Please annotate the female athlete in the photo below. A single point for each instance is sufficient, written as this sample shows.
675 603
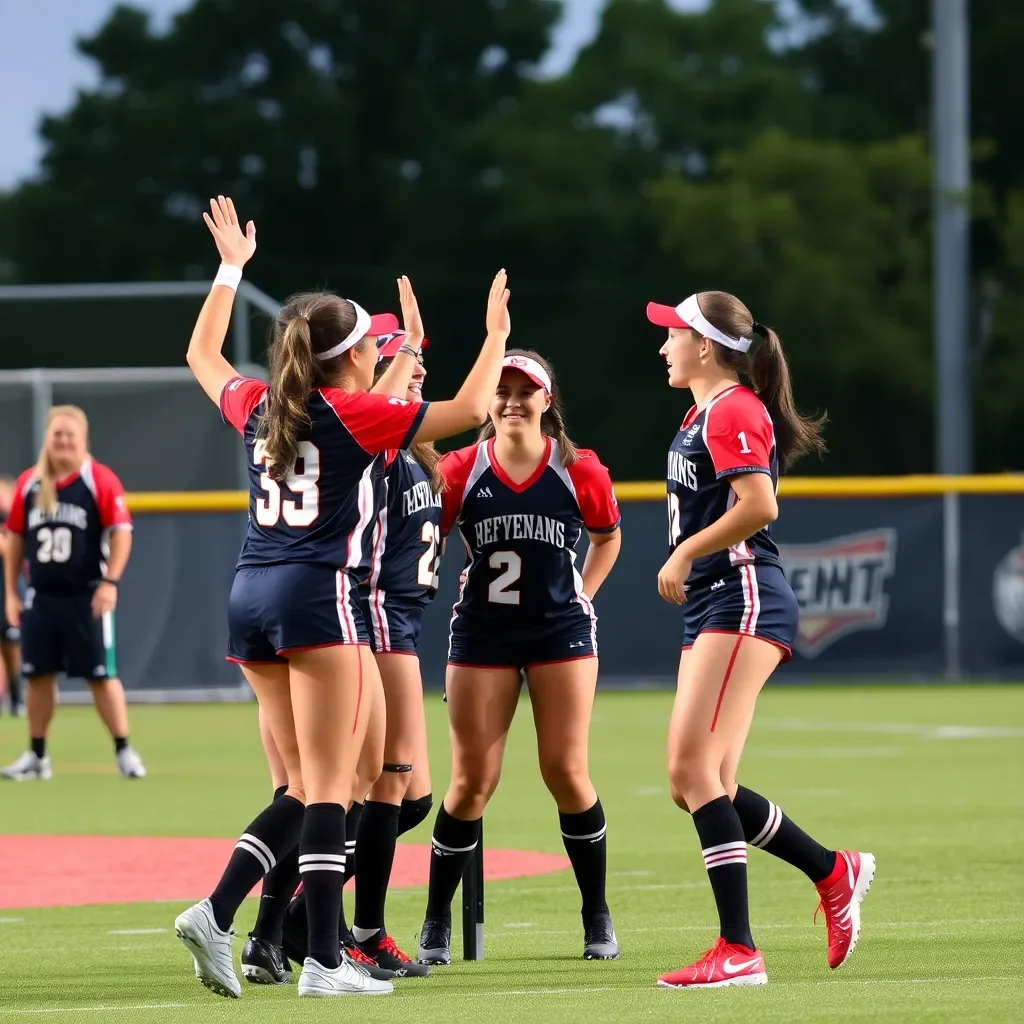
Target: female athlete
69 523
740 618
521 496
295 622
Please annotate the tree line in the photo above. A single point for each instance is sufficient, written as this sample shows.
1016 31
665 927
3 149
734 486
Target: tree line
779 151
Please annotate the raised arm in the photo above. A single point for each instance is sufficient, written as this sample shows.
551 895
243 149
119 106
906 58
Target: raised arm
205 356
395 379
469 407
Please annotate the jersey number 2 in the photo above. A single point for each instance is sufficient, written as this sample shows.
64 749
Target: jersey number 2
430 560
303 485
498 592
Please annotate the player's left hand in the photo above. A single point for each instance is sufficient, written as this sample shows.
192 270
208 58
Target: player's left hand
673 576
411 319
104 599
235 246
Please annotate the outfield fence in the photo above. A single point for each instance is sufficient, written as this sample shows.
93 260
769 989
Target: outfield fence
897 577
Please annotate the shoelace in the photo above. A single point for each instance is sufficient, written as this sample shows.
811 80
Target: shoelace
389 946
707 961
356 954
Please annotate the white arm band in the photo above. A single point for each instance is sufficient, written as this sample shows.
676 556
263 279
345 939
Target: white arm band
229 276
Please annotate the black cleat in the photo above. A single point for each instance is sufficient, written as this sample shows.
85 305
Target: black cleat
264 963
435 945
386 953
599 942
362 961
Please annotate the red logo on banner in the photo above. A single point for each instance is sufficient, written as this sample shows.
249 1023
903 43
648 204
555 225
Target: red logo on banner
840 586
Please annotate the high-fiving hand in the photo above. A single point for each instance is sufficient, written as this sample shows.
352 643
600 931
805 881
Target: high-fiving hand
411 319
498 321
235 248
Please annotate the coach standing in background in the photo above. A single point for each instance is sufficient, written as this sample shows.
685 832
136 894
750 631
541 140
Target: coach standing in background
70 523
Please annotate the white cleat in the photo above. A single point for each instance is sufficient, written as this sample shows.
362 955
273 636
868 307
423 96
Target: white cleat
28 766
129 764
210 948
346 980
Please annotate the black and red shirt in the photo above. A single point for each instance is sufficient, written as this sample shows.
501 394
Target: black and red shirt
520 539
66 550
732 434
323 512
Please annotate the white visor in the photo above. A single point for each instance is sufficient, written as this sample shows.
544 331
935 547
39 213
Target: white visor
689 312
356 335
531 368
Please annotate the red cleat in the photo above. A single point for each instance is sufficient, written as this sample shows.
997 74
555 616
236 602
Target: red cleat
720 966
841 896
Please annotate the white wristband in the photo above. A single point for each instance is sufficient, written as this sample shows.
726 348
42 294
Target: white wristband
229 276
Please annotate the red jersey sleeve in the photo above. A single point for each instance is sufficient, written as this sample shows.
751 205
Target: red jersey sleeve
594 493
238 398
454 468
377 422
110 498
16 517
739 435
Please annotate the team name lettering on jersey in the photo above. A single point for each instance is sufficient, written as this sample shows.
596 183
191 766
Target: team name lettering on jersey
419 497
682 470
73 515
519 526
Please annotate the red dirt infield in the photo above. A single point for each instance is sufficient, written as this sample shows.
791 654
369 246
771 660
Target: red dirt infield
72 871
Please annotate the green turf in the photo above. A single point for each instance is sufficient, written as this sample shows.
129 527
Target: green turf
943 810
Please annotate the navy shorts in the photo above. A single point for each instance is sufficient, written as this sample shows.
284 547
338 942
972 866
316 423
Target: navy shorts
478 649
277 610
59 633
393 622
754 600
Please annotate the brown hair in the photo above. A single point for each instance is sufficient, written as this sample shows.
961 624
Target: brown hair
768 371
552 422
308 323
46 496
423 452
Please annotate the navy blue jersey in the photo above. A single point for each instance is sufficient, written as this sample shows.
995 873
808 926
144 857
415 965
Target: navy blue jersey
321 514
732 434
521 576
66 550
407 534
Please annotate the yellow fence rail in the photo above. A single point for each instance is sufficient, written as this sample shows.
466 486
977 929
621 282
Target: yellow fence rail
790 487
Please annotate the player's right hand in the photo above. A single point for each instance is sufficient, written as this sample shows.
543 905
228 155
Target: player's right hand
12 607
235 248
498 321
411 319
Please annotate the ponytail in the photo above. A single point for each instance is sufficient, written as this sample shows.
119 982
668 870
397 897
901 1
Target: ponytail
46 493
795 435
291 379
766 366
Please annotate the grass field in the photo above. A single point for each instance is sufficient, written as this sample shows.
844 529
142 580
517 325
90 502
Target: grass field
929 779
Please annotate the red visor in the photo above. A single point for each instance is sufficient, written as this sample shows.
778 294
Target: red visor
392 342
664 316
382 323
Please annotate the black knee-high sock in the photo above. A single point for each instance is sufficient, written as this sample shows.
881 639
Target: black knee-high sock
378 834
584 836
279 885
451 846
413 812
270 836
766 827
725 857
352 819
322 866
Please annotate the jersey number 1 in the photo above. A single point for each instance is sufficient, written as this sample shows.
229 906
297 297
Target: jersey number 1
302 485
